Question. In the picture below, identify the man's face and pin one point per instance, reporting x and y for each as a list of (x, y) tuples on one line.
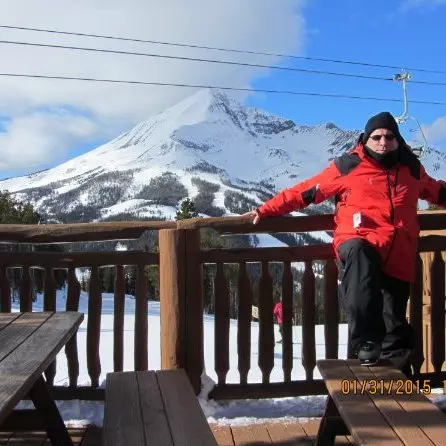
[(382, 141)]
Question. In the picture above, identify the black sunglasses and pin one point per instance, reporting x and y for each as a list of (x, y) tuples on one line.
[(387, 137)]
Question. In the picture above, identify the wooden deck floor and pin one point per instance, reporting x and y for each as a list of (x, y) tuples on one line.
[(291, 434)]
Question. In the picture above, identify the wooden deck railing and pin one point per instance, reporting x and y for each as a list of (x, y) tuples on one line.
[(181, 261), (429, 354)]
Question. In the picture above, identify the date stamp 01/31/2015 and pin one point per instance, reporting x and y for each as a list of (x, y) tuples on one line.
[(387, 387)]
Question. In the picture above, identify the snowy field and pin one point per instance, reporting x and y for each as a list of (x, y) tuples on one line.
[(78, 413)]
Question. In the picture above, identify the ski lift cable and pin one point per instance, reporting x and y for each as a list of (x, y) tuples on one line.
[(230, 50), (212, 61), (214, 87)]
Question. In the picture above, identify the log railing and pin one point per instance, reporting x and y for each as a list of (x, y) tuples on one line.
[(51, 261), (429, 355), (181, 261)]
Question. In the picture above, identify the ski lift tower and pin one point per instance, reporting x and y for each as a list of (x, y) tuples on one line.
[(404, 77)]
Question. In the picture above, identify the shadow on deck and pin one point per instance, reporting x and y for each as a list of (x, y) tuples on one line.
[(85, 436), (279, 434)]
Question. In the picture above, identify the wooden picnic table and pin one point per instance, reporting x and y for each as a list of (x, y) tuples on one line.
[(29, 343), (378, 405)]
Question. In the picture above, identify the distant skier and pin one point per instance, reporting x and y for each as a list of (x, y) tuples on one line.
[(278, 314), (376, 186)]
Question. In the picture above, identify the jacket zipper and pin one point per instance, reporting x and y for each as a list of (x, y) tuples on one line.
[(389, 190), (392, 211)]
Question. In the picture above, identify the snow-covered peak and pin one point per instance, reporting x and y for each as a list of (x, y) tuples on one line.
[(227, 157)]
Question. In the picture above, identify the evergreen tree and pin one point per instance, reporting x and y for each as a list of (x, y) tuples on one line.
[(130, 280), (16, 212), (84, 284), (109, 275), (152, 274), (187, 210)]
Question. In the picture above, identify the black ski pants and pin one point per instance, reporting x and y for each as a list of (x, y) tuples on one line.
[(376, 302)]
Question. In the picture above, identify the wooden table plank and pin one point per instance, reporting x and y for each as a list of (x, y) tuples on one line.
[(401, 421), (222, 435), (423, 412), (156, 426), (22, 367), (21, 328), (7, 318), (251, 435), (125, 394), (187, 421), (357, 410)]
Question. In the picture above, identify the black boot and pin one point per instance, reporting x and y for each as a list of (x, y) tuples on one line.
[(369, 353)]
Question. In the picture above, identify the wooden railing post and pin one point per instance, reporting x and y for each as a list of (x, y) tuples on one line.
[(416, 318), (172, 246), (73, 296), (437, 335), (141, 320), (94, 327), (118, 320), (5, 292), (181, 302), (194, 309)]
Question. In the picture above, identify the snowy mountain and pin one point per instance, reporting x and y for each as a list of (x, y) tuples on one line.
[(209, 147)]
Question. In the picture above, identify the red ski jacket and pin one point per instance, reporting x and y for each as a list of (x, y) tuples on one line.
[(278, 312), (372, 203)]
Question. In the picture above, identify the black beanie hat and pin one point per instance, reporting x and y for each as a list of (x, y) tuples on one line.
[(383, 120)]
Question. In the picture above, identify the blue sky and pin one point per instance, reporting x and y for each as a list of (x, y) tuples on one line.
[(44, 123), (381, 32)]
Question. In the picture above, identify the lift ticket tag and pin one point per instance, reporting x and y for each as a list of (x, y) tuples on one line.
[(357, 219)]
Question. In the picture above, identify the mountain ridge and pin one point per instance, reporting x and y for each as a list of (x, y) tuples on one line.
[(209, 147)]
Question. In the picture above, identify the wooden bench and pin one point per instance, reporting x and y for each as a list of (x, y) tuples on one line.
[(156, 408), (377, 405)]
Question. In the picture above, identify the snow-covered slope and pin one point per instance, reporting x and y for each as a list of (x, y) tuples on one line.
[(209, 147)]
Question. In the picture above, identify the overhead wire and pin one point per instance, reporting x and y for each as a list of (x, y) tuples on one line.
[(215, 61), (230, 50), (241, 89), (184, 58), (195, 59)]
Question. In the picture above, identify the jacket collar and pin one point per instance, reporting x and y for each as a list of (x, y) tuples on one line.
[(406, 158)]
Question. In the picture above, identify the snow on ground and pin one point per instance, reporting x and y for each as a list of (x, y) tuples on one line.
[(77, 413)]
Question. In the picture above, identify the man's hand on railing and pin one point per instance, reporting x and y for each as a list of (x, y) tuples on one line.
[(252, 215)]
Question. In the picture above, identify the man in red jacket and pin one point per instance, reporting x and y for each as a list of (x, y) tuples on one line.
[(376, 188), (278, 314)]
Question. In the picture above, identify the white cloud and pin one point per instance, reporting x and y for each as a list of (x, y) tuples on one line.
[(43, 136), (436, 132), (259, 25)]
